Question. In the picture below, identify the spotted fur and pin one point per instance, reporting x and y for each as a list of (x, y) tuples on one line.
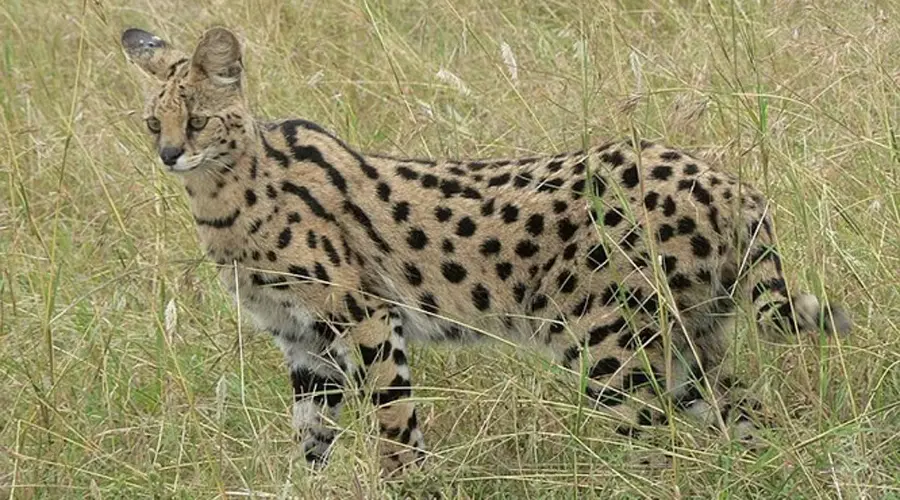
[(596, 256)]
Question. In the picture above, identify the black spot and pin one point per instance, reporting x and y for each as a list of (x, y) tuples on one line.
[(429, 181), (700, 246), (686, 225), (614, 158), (630, 177), (399, 388), (639, 378), (706, 277), (526, 249), (559, 206), (670, 155), (598, 185), (490, 246), (584, 306), (443, 214), (519, 292), (332, 252), (357, 312), (714, 219), (471, 194), (300, 273), (569, 251), (417, 239), (250, 197), (255, 255), (413, 274), (453, 272), (220, 222), (599, 333), (449, 187), (554, 166), (510, 213), (407, 173), (535, 224), (487, 208), (679, 281), (498, 180), (466, 227), (557, 326), (669, 206), (321, 273), (284, 239), (690, 169), (481, 297), (521, 180), (597, 258), (384, 192), (661, 172), (613, 217), (311, 241), (475, 166), (651, 200), (270, 191), (566, 282), (665, 233), (565, 229), (271, 256), (629, 240), (697, 191), (550, 185), (428, 303), (578, 188), (504, 270), (447, 246), (669, 263), (604, 367), (579, 168), (401, 211), (294, 218), (547, 265)]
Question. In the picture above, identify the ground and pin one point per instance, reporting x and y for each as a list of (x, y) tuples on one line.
[(128, 373)]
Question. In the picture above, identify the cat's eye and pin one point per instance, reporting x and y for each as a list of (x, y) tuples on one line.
[(197, 122), (153, 125)]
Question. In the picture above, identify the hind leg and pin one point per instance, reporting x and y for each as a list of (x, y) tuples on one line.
[(631, 376), (623, 368)]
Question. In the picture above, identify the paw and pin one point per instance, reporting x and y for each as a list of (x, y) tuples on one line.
[(316, 448)]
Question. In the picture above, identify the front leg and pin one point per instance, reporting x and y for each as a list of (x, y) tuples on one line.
[(382, 347), (318, 374)]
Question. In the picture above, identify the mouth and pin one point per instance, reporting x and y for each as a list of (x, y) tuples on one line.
[(185, 164)]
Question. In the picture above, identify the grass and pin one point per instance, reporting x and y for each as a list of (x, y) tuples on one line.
[(127, 373)]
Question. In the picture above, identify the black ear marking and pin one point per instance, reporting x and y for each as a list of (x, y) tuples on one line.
[(135, 40)]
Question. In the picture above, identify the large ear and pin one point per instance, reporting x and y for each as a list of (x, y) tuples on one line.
[(148, 51), (218, 57)]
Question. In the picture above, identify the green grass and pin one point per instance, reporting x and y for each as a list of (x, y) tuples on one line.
[(106, 394)]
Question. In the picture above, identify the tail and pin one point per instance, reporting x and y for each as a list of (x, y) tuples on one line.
[(771, 302)]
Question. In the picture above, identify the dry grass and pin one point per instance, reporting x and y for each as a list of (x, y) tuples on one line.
[(127, 373)]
